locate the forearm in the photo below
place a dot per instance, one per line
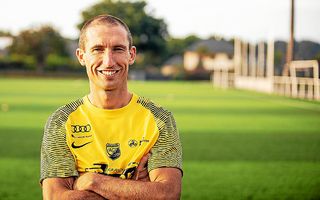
(114, 188)
(165, 183)
(62, 189)
(77, 195)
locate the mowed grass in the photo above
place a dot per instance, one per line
(236, 144)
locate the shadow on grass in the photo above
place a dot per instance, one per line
(20, 143)
(251, 147)
(244, 111)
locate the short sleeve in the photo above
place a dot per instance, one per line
(167, 151)
(56, 157)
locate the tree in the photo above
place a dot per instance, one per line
(4, 33)
(149, 33)
(38, 43)
(177, 46)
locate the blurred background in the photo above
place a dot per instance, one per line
(241, 77)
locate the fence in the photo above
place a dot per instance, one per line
(298, 87)
(254, 70)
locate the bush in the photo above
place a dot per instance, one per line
(16, 61)
(56, 62)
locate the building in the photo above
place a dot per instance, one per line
(173, 66)
(5, 41)
(210, 55)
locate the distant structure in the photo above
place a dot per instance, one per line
(250, 66)
(304, 87)
(172, 66)
(208, 56)
(5, 41)
(254, 66)
(290, 47)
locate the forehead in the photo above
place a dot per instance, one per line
(106, 34)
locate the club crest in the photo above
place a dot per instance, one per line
(113, 150)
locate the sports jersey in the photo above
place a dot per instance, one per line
(80, 137)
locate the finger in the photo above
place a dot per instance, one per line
(143, 162)
(143, 174)
(136, 175)
(142, 165)
(146, 179)
(75, 187)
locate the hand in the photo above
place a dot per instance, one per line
(84, 181)
(141, 174)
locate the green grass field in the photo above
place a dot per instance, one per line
(236, 144)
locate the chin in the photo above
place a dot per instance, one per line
(109, 87)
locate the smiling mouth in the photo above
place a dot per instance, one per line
(108, 72)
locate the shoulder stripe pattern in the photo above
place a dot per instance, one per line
(56, 157)
(167, 151)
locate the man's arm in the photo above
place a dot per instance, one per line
(165, 184)
(62, 188)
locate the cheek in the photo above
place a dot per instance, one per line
(123, 59)
(92, 60)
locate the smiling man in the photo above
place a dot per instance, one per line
(111, 143)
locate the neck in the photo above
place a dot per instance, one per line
(110, 99)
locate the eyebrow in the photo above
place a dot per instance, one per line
(102, 46)
(121, 46)
(96, 46)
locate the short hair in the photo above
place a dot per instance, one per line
(101, 19)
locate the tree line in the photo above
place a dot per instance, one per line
(44, 48)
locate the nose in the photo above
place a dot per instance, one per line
(108, 59)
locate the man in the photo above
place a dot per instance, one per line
(92, 147)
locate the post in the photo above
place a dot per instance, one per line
(260, 68)
(316, 80)
(270, 59)
(245, 59)
(293, 78)
(252, 60)
(290, 47)
(237, 57)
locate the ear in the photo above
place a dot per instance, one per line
(133, 52)
(80, 55)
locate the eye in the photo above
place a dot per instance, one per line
(119, 49)
(97, 49)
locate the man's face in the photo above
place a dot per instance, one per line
(107, 57)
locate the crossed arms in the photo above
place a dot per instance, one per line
(165, 183)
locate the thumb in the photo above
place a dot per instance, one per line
(143, 162)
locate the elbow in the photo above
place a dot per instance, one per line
(171, 189)
(171, 192)
(171, 195)
(175, 195)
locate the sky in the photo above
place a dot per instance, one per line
(251, 20)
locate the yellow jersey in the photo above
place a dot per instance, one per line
(80, 137)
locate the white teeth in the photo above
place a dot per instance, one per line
(108, 73)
